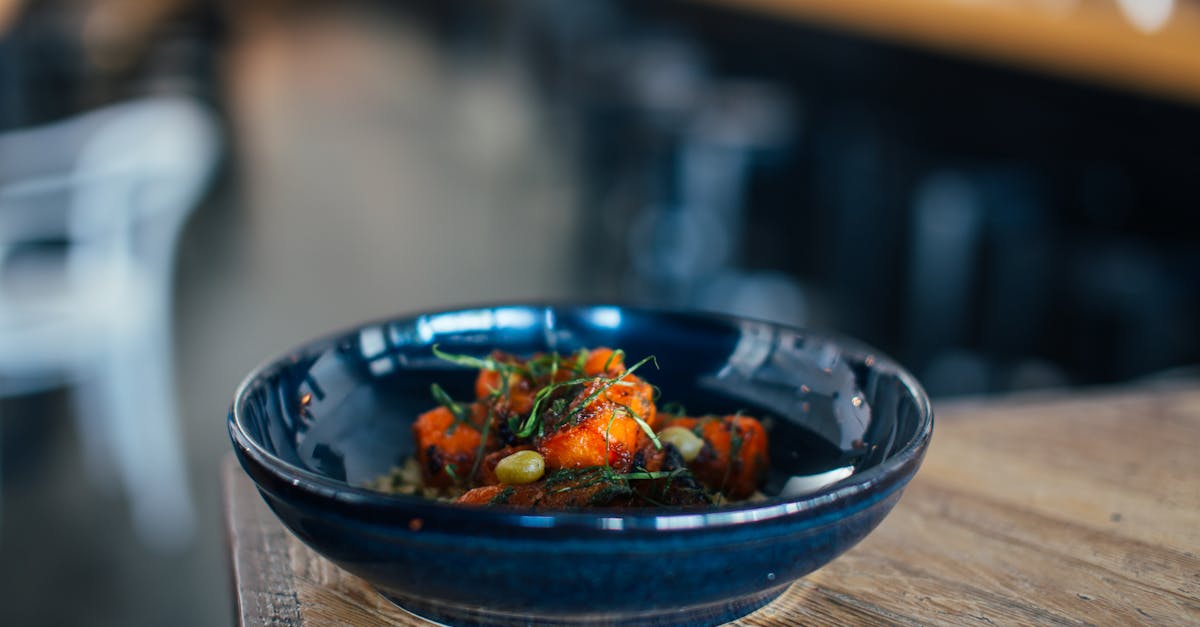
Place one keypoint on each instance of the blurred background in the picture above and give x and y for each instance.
(999, 194)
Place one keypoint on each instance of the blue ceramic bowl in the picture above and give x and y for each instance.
(847, 426)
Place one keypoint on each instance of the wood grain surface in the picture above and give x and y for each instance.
(1091, 40)
(1058, 508)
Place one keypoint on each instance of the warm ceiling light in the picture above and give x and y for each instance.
(1147, 15)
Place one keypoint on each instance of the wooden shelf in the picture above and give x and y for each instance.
(1090, 40)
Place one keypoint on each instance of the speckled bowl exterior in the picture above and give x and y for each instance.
(313, 426)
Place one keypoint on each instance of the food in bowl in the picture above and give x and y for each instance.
(576, 431)
(848, 428)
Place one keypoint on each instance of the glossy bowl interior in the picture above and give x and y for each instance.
(847, 428)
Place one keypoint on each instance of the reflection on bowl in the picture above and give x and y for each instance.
(848, 428)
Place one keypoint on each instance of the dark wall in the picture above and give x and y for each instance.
(993, 228)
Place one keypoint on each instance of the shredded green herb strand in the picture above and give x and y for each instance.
(643, 424)
(502, 497)
(592, 476)
(486, 363)
(608, 439)
(674, 408)
(581, 360)
(657, 474)
(611, 382)
(612, 357)
(542, 365)
(735, 447)
(533, 422)
(525, 428)
(443, 399)
(548, 366)
(483, 436)
(495, 395)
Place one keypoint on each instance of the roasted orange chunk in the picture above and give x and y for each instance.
(598, 427)
(734, 458)
(596, 432)
(446, 447)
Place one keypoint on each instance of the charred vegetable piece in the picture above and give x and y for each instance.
(677, 488)
(599, 426)
(604, 361)
(510, 385)
(576, 431)
(447, 447)
(734, 459)
(592, 487)
(487, 468)
(600, 487)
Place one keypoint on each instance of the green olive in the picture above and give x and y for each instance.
(521, 467)
(688, 443)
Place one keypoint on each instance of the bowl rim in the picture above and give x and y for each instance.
(896, 469)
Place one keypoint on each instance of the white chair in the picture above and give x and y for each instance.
(90, 213)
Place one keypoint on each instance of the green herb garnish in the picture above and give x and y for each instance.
(485, 363)
(532, 422)
(443, 399)
(735, 447)
(674, 408)
(502, 496)
(608, 384)
(611, 357)
(643, 424)
(657, 474)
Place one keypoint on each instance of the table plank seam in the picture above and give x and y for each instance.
(995, 598)
(360, 603)
(1185, 558)
(868, 609)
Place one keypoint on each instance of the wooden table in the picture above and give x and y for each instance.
(1090, 40)
(1065, 507)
